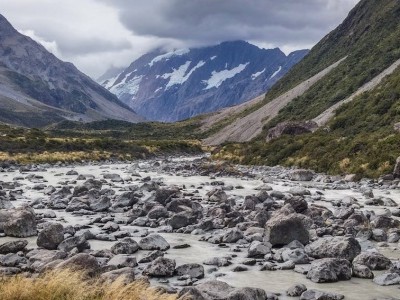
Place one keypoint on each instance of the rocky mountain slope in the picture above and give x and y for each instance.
(188, 82)
(355, 104)
(37, 89)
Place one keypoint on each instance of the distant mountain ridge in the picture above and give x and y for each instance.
(187, 82)
(37, 89)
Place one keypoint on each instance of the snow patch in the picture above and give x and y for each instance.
(213, 57)
(177, 76)
(217, 78)
(131, 87)
(255, 75)
(276, 72)
(168, 55)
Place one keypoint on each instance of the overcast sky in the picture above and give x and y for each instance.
(98, 34)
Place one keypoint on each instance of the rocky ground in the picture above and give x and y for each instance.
(208, 230)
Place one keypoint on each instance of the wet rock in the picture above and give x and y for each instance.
(373, 260)
(125, 246)
(335, 247)
(387, 279)
(51, 236)
(362, 271)
(283, 229)
(296, 290)
(320, 295)
(125, 200)
(193, 270)
(218, 290)
(154, 242)
(21, 223)
(122, 261)
(82, 262)
(160, 267)
(379, 235)
(13, 246)
(180, 220)
(297, 256)
(329, 270)
(240, 269)
(258, 249)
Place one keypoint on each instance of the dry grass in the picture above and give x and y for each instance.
(71, 285)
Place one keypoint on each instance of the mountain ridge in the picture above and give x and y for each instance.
(184, 83)
(37, 88)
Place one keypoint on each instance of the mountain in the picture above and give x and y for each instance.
(336, 111)
(37, 89)
(184, 83)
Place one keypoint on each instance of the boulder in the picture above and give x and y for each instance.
(192, 270)
(82, 262)
(232, 236)
(164, 195)
(78, 242)
(51, 236)
(127, 274)
(218, 290)
(329, 270)
(283, 229)
(125, 246)
(12, 260)
(101, 204)
(217, 195)
(160, 267)
(258, 249)
(373, 260)
(291, 128)
(21, 223)
(13, 246)
(158, 212)
(154, 242)
(299, 204)
(296, 290)
(361, 271)
(335, 247)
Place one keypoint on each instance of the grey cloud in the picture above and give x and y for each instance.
(210, 21)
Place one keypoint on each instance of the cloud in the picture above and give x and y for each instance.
(199, 22)
(97, 34)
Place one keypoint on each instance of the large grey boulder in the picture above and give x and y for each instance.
(218, 290)
(154, 242)
(122, 261)
(373, 260)
(13, 246)
(161, 267)
(329, 270)
(78, 242)
(100, 204)
(361, 271)
(335, 247)
(82, 262)
(127, 274)
(51, 236)
(282, 229)
(296, 290)
(125, 246)
(258, 249)
(193, 270)
(232, 236)
(21, 223)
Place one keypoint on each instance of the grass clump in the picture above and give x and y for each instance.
(73, 285)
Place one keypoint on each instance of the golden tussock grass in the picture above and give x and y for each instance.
(72, 285)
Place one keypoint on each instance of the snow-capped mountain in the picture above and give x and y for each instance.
(184, 83)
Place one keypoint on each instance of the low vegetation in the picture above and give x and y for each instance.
(361, 139)
(69, 285)
(97, 141)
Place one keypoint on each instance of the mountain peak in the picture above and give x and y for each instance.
(171, 86)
